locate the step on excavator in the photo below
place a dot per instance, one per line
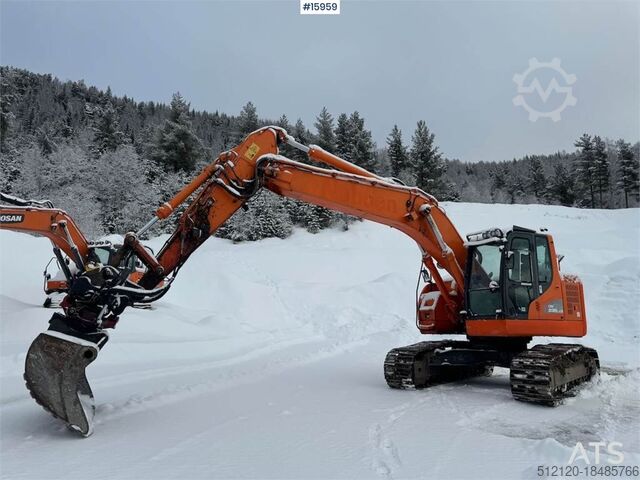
(499, 287)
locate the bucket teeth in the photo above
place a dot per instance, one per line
(55, 376)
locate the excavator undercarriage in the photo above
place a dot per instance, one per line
(544, 374)
(499, 288)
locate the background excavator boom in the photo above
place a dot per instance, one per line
(52, 223)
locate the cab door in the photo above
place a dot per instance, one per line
(520, 277)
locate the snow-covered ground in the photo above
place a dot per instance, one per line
(265, 361)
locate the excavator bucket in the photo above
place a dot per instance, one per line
(55, 376)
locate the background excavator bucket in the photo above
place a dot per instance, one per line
(55, 376)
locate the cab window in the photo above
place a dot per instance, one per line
(521, 266)
(544, 263)
(102, 254)
(520, 285)
(484, 281)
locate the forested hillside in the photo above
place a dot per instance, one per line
(110, 160)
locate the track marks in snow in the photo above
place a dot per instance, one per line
(605, 409)
(385, 454)
(217, 376)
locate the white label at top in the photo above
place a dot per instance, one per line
(320, 8)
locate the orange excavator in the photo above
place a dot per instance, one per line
(499, 287)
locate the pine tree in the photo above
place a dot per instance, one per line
(283, 122)
(303, 136)
(247, 121)
(515, 187)
(107, 135)
(536, 181)
(397, 152)
(285, 149)
(601, 175)
(44, 141)
(584, 169)
(176, 147)
(561, 186)
(343, 137)
(628, 171)
(312, 217)
(7, 99)
(498, 176)
(125, 199)
(324, 129)
(361, 144)
(426, 161)
(266, 217)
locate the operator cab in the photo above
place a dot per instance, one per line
(99, 252)
(103, 253)
(506, 272)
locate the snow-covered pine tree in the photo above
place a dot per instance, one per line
(397, 153)
(326, 139)
(247, 121)
(536, 180)
(628, 171)
(515, 187)
(44, 141)
(126, 200)
(286, 150)
(426, 161)
(312, 217)
(67, 178)
(344, 135)
(107, 134)
(561, 186)
(601, 175)
(362, 147)
(266, 217)
(303, 136)
(321, 217)
(307, 217)
(7, 100)
(283, 122)
(585, 168)
(176, 147)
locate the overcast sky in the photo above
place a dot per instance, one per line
(449, 63)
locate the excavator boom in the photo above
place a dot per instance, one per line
(235, 176)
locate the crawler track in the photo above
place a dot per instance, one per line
(546, 374)
(424, 364)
